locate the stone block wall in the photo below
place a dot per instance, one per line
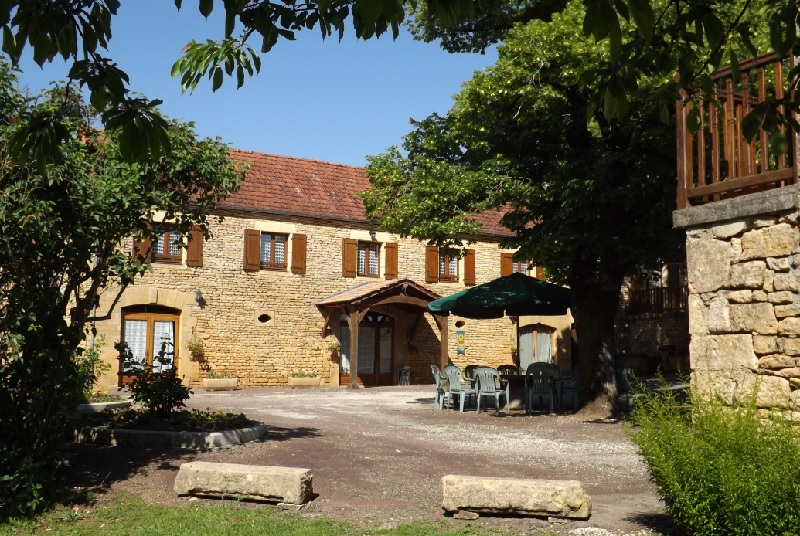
(743, 258)
(263, 325)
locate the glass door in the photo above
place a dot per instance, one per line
(150, 337)
(375, 351)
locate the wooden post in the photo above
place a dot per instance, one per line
(352, 321)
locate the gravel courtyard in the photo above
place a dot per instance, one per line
(378, 456)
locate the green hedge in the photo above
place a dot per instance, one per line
(720, 469)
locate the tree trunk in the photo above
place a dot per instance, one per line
(594, 308)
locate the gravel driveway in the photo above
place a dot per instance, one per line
(378, 456)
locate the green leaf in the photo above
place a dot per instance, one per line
(644, 17)
(219, 76)
(734, 65)
(715, 31)
(206, 7)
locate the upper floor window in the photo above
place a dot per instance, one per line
(519, 267)
(368, 259)
(448, 265)
(443, 265)
(273, 251)
(509, 266)
(363, 258)
(167, 244)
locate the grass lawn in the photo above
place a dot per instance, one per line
(129, 515)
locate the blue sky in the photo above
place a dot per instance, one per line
(317, 99)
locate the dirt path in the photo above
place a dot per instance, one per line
(378, 456)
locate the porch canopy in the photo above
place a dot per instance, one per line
(355, 302)
(513, 295)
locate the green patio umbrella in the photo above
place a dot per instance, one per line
(512, 295)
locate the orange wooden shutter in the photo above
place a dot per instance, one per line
(539, 273)
(252, 255)
(469, 267)
(299, 254)
(194, 248)
(142, 247)
(390, 270)
(506, 264)
(349, 257)
(431, 264)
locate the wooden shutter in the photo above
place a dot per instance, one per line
(194, 248)
(431, 264)
(539, 273)
(142, 247)
(299, 254)
(469, 267)
(349, 257)
(390, 267)
(252, 255)
(506, 264)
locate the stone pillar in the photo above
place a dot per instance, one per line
(743, 260)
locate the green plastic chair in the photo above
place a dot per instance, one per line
(540, 385)
(442, 391)
(453, 374)
(469, 371)
(489, 384)
(569, 386)
(508, 370)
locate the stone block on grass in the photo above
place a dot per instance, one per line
(540, 498)
(288, 485)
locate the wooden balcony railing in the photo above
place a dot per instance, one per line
(659, 300)
(718, 162)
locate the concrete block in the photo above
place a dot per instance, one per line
(541, 498)
(289, 485)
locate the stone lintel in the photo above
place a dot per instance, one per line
(752, 205)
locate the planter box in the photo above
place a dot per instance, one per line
(220, 384)
(304, 382)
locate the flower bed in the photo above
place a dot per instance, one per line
(178, 421)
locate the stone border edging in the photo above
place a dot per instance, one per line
(99, 407)
(186, 440)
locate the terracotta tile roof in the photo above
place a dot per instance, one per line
(370, 289)
(296, 186)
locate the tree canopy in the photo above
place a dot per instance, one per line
(589, 201)
(690, 38)
(62, 226)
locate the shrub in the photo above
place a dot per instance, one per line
(720, 469)
(90, 367)
(160, 392)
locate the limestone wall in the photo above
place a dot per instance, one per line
(743, 260)
(263, 325)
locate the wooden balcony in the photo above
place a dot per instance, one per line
(717, 162)
(659, 300)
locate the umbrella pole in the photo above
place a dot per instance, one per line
(445, 344)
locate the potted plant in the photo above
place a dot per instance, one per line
(304, 378)
(197, 351)
(221, 380)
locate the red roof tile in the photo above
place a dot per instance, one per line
(297, 186)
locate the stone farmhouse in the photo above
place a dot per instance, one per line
(738, 202)
(296, 279)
